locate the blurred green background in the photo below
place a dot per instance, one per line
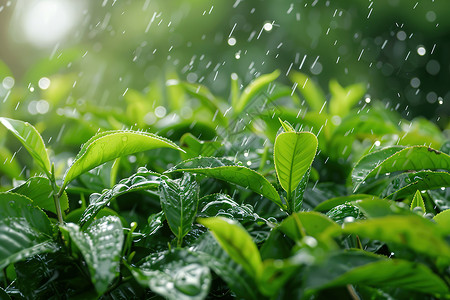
(94, 52)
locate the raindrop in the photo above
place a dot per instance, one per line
(160, 111)
(415, 82)
(42, 107)
(231, 41)
(8, 82)
(268, 26)
(421, 50)
(401, 35)
(44, 83)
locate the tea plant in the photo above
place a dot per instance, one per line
(247, 214)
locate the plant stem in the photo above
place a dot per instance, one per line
(56, 195)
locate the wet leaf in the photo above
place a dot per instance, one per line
(293, 156)
(216, 258)
(300, 224)
(109, 145)
(362, 268)
(253, 89)
(175, 275)
(195, 147)
(274, 275)
(418, 201)
(313, 94)
(31, 140)
(25, 230)
(179, 200)
(236, 241)
(225, 169)
(411, 231)
(286, 126)
(141, 180)
(407, 183)
(39, 189)
(221, 205)
(395, 159)
(332, 202)
(339, 213)
(101, 246)
(443, 220)
(53, 276)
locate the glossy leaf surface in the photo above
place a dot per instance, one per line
(225, 169)
(25, 230)
(293, 155)
(395, 159)
(179, 200)
(39, 189)
(358, 267)
(253, 89)
(31, 140)
(109, 145)
(407, 183)
(236, 241)
(141, 180)
(175, 275)
(101, 246)
(217, 259)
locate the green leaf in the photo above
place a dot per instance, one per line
(311, 223)
(101, 246)
(340, 212)
(211, 254)
(221, 205)
(369, 162)
(225, 169)
(443, 221)
(52, 276)
(418, 201)
(236, 242)
(286, 126)
(195, 147)
(333, 202)
(25, 230)
(179, 200)
(314, 96)
(412, 231)
(297, 198)
(253, 89)
(293, 155)
(39, 189)
(141, 180)
(343, 99)
(274, 275)
(207, 99)
(406, 184)
(109, 145)
(175, 275)
(362, 268)
(31, 140)
(396, 159)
